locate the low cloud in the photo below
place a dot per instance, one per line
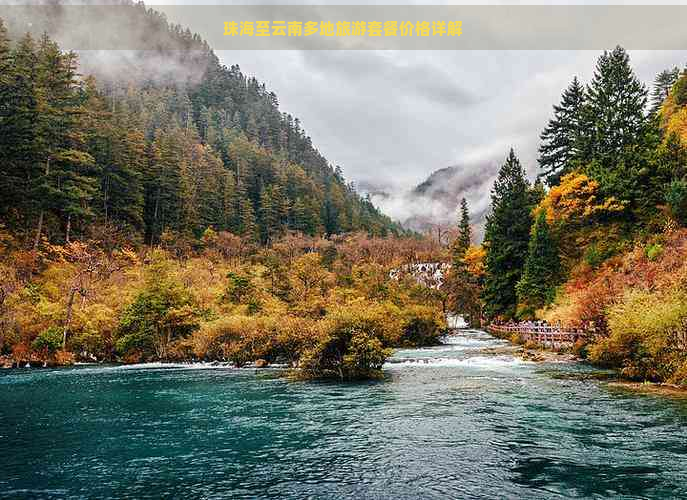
(436, 200)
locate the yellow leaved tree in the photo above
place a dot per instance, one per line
(579, 216)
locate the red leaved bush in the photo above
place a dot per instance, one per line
(657, 265)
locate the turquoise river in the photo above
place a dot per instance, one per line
(463, 420)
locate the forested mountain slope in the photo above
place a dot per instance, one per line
(158, 151)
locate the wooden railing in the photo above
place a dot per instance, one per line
(547, 335)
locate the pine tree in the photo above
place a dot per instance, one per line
(662, 85)
(506, 238)
(9, 173)
(5, 60)
(465, 231)
(462, 288)
(190, 168)
(619, 140)
(462, 242)
(537, 192)
(239, 206)
(19, 147)
(5, 75)
(126, 193)
(613, 117)
(163, 184)
(119, 151)
(281, 206)
(69, 181)
(247, 218)
(299, 216)
(268, 219)
(541, 273)
(560, 139)
(228, 205)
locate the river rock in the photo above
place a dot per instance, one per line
(261, 363)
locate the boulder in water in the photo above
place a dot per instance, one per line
(261, 363)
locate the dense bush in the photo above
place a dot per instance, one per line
(654, 251)
(162, 312)
(244, 339)
(648, 336)
(240, 288)
(48, 341)
(347, 346)
(600, 251)
(422, 326)
(676, 198)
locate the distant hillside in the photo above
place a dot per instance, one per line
(436, 199)
(438, 183)
(169, 141)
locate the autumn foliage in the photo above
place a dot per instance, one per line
(635, 309)
(330, 307)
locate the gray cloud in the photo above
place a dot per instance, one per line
(432, 83)
(391, 118)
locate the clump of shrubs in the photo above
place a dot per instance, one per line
(648, 337)
(329, 308)
(47, 348)
(347, 346)
(162, 312)
(654, 251)
(48, 341)
(351, 342)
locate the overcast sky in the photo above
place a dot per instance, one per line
(390, 118)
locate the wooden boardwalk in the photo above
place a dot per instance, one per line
(550, 336)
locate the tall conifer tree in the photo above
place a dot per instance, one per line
(462, 242)
(507, 237)
(465, 232)
(69, 181)
(662, 85)
(19, 139)
(561, 138)
(619, 139)
(542, 268)
(613, 118)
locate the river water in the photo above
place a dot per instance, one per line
(461, 420)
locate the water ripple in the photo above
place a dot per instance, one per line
(453, 421)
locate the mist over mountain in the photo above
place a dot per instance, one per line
(435, 200)
(173, 55)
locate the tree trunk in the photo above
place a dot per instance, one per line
(69, 228)
(40, 217)
(37, 240)
(68, 319)
(157, 205)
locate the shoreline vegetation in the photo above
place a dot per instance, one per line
(602, 247)
(318, 305)
(177, 219)
(612, 377)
